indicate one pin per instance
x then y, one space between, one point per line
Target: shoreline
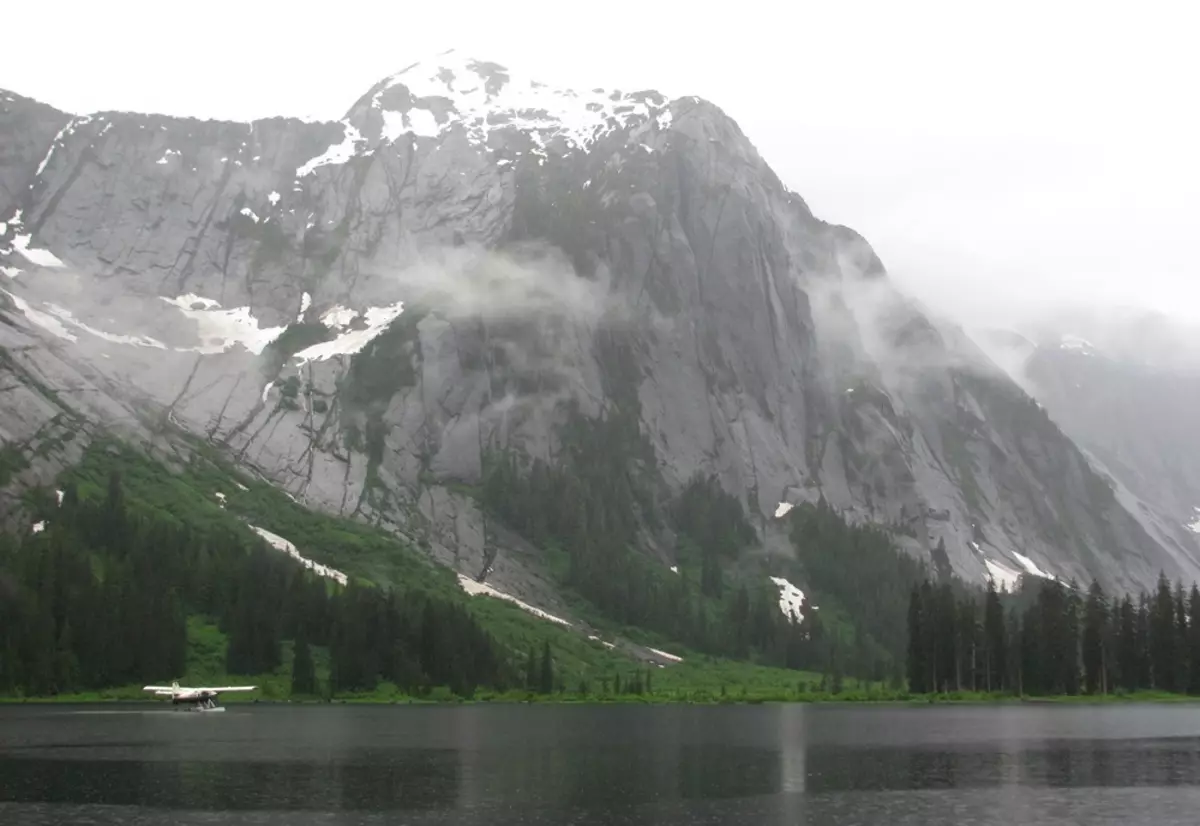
649 700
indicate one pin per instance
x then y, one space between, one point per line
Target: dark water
602 765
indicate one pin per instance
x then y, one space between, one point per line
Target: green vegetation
862 583
1055 641
103 594
294 338
12 461
219 605
590 507
386 365
144 574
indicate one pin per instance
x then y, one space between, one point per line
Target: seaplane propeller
195 699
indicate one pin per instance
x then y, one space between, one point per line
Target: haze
1000 158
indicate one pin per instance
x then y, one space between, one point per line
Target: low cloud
471 282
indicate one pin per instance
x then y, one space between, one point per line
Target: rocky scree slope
365 311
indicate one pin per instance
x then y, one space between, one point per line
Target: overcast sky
1048 149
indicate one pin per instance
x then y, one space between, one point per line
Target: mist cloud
532 281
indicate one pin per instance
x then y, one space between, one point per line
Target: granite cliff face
364 311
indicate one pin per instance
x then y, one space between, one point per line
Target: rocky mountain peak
481 99
472 264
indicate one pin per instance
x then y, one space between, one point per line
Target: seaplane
195 699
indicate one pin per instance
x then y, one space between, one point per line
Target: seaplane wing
202 698
179 689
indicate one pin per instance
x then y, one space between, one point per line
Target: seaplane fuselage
195 699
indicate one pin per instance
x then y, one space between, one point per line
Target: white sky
1043 149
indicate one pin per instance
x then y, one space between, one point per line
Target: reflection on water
621 765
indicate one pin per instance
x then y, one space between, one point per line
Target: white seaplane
195 699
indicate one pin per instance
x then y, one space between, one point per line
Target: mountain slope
1125 386
471 266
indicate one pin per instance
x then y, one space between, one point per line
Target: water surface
620 765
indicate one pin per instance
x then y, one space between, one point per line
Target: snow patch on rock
1194 525
337 154
116 338
281 544
483 589
419 122
1030 566
664 655
348 343
484 97
1077 344
790 599
783 509
35 256
338 317
1001 575
222 329
66 130
44 320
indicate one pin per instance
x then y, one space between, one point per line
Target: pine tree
918 668
995 642
1162 636
546 684
1182 649
1128 655
1193 638
1094 627
304 676
1144 678
531 672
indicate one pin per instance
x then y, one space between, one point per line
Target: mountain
507 323
1125 385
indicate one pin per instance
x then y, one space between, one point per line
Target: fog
1003 159
532 280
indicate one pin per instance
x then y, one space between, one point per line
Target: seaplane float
195 699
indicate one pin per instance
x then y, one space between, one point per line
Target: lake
620 765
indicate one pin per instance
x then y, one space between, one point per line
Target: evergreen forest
1053 639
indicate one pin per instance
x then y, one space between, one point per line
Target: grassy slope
370 555
188 494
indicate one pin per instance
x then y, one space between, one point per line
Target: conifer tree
1194 641
304 676
1096 616
995 642
546 683
1163 655
531 672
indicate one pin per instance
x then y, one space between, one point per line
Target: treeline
857 571
593 503
1053 640
100 595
